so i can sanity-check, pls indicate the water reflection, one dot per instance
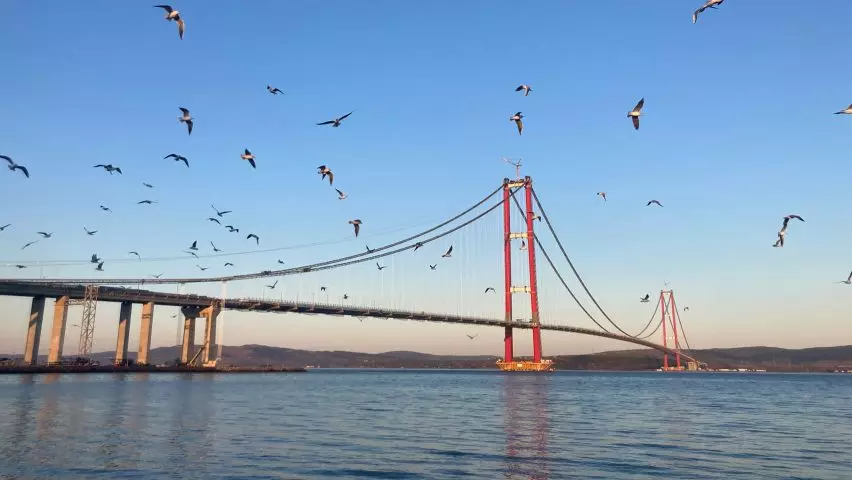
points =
(190, 437)
(526, 426)
(13, 449)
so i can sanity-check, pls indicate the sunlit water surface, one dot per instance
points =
(426, 424)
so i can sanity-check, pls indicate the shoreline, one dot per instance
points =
(40, 369)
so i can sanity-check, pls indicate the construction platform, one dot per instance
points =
(526, 366)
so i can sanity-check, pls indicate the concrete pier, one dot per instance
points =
(57, 334)
(187, 350)
(123, 332)
(34, 331)
(145, 332)
(211, 315)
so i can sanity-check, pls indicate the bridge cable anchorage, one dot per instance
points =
(656, 309)
(556, 271)
(326, 265)
(571, 264)
(249, 252)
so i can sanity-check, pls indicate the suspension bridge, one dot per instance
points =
(517, 229)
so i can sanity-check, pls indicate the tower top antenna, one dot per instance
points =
(516, 164)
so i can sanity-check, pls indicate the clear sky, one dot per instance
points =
(739, 132)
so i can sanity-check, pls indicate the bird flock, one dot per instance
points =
(324, 171)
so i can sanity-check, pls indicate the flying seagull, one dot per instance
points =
(602, 195)
(106, 209)
(214, 219)
(45, 234)
(433, 267)
(848, 280)
(248, 156)
(783, 232)
(28, 244)
(172, 14)
(685, 309)
(273, 90)
(370, 250)
(336, 122)
(187, 119)
(229, 264)
(517, 119)
(100, 267)
(20, 266)
(14, 166)
(272, 287)
(449, 253)
(357, 224)
(646, 298)
(280, 262)
(90, 232)
(490, 289)
(653, 201)
(194, 246)
(157, 275)
(95, 258)
(231, 229)
(145, 202)
(222, 213)
(201, 268)
(417, 245)
(178, 158)
(324, 170)
(190, 252)
(526, 88)
(847, 110)
(214, 247)
(472, 336)
(340, 195)
(4, 227)
(636, 112)
(256, 238)
(137, 255)
(380, 267)
(523, 245)
(109, 168)
(709, 4)
(147, 185)
(322, 289)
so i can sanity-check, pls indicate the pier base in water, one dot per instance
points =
(526, 366)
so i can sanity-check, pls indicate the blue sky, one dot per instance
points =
(738, 133)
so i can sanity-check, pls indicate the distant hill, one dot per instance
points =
(769, 358)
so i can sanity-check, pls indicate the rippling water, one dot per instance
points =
(426, 424)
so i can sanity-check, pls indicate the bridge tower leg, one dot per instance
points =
(123, 337)
(145, 333)
(673, 319)
(190, 314)
(57, 334)
(663, 307)
(535, 320)
(34, 331)
(508, 342)
(211, 315)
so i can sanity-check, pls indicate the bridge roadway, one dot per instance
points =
(119, 294)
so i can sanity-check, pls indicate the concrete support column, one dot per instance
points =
(210, 314)
(145, 332)
(188, 346)
(123, 332)
(57, 334)
(34, 331)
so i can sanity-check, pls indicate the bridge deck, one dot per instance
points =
(119, 294)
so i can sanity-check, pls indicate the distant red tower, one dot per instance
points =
(508, 363)
(668, 307)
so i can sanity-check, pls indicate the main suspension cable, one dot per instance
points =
(330, 264)
(656, 309)
(571, 264)
(683, 332)
(558, 275)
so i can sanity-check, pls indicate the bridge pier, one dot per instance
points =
(123, 333)
(190, 314)
(34, 331)
(145, 333)
(211, 315)
(57, 334)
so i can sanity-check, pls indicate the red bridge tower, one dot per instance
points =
(508, 363)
